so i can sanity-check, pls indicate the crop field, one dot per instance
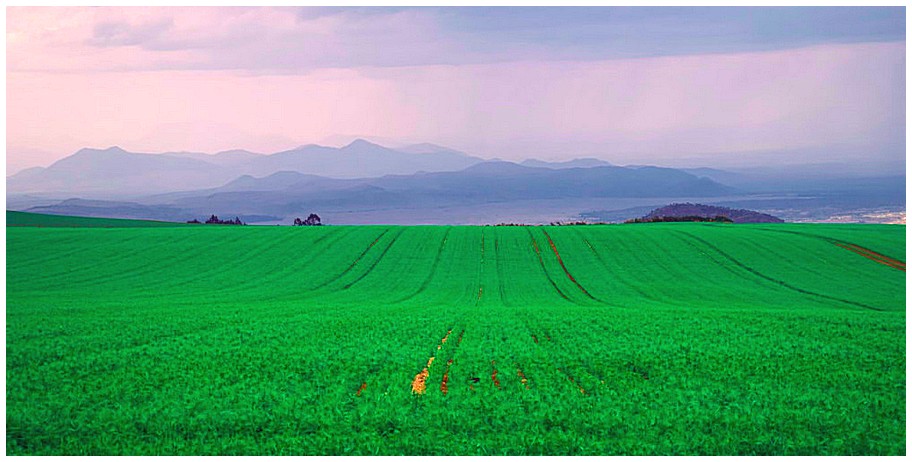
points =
(650, 339)
(61, 221)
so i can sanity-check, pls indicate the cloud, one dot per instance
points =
(121, 33)
(628, 85)
(247, 39)
(302, 39)
(635, 110)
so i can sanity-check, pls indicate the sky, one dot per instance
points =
(670, 86)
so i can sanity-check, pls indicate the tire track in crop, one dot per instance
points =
(444, 382)
(355, 262)
(855, 248)
(887, 260)
(872, 255)
(146, 270)
(551, 363)
(373, 370)
(500, 273)
(315, 251)
(564, 267)
(376, 262)
(419, 383)
(541, 262)
(80, 247)
(608, 267)
(481, 269)
(245, 262)
(433, 271)
(75, 245)
(256, 284)
(774, 280)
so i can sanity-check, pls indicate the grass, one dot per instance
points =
(57, 221)
(639, 340)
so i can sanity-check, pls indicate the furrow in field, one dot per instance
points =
(91, 254)
(522, 377)
(541, 262)
(444, 387)
(481, 269)
(312, 252)
(494, 378)
(872, 255)
(419, 383)
(608, 267)
(374, 264)
(564, 267)
(246, 259)
(430, 276)
(782, 283)
(73, 241)
(355, 262)
(840, 243)
(550, 360)
(572, 380)
(145, 270)
(500, 272)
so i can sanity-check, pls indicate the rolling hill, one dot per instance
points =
(686, 339)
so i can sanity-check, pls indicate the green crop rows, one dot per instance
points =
(627, 339)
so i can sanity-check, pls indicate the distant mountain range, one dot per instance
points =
(114, 171)
(364, 182)
(152, 182)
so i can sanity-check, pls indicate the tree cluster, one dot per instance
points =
(214, 220)
(312, 220)
(574, 223)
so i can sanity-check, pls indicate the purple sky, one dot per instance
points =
(629, 85)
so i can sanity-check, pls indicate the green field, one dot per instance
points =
(63, 221)
(620, 339)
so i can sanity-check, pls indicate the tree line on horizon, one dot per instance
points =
(214, 220)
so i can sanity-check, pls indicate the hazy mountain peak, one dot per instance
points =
(583, 162)
(429, 148)
(108, 150)
(115, 150)
(361, 143)
(498, 167)
(242, 152)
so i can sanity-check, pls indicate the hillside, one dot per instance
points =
(61, 221)
(710, 211)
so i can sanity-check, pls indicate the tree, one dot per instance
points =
(312, 220)
(298, 222)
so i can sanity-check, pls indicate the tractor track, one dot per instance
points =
(481, 270)
(605, 265)
(564, 267)
(433, 271)
(541, 262)
(500, 272)
(375, 263)
(774, 280)
(863, 251)
(872, 255)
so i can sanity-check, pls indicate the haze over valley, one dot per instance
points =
(364, 182)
